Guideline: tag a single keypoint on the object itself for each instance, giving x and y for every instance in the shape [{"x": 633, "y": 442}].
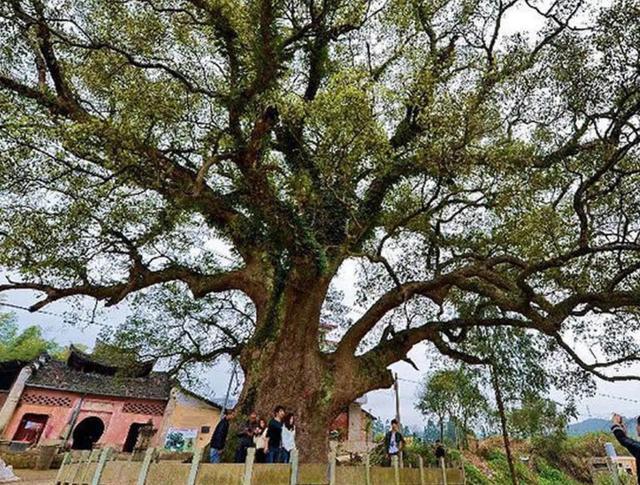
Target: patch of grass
[
  {"x": 548, "y": 475},
  {"x": 606, "y": 480},
  {"x": 475, "y": 476},
  {"x": 497, "y": 461},
  {"x": 540, "y": 473}
]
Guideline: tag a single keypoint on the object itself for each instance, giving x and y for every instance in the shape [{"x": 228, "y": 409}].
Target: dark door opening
[
  {"x": 31, "y": 427},
  {"x": 8, "y": 373},
  {"x": 86, "y": 433},
  {"x": 132, "y": 437}
]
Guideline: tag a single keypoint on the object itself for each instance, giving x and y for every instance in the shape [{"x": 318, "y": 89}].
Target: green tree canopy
[
  {"x": 26, "y": 344},
  {"x": 539, "y": 417},
  {"x": 454, "y": 394}
]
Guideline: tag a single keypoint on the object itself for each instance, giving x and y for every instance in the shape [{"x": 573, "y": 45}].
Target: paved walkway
[{"x": 35, "y": 477}]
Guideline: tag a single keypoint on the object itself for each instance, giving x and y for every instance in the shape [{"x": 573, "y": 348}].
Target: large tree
[{"x": 460, "y": 160}]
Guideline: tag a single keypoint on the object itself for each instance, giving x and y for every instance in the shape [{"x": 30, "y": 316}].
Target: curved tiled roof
[
  {"x": 57, "y": 375},
  {"x": 109, "y": 360}
]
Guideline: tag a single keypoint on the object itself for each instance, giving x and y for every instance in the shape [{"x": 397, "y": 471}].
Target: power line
[
  {"x": 618, "y": 398},
  {"x": 601, "y": 394},
  {"x": 93, "y": 322},
  {"x": 409, "y": 380},
  {"x": 66, "y": 319}
]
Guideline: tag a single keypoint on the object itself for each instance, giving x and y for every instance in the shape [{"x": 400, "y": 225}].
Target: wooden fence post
[
  {"x": 66, "y": 459},
  {"x": 196, "y": 459},
  {"x": 443, "y": 467},
  {"x": 104, "y": 456},
  {"x": 396, "y": 469},
  {"x": 294, "y": 458},
  {"x": 421, "y": 466},
  {"x": 146, "y": 463},
  {"x": 332, "y": 467},
  {"x": 367, "y": 469},
  {"x": 248, "y": 466},
  {"x": 94, "y": 455}
]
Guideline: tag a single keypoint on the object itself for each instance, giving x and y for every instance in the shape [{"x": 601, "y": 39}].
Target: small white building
[{"x": 355, "y": 426}]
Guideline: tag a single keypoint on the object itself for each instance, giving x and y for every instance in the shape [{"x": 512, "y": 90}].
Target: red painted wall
[
  {"x": 341, "y": 423},
  {"x": 59, "y": 406}
]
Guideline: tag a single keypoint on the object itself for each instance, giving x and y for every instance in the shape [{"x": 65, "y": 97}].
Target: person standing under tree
[
  {"x": 260, "y": 440},
  {"x": 393, "y": 441},
  {"x": 219, "y": 437},
  {"x": 440, "y": 452},
  {"x": 288, "y": 437},
  {"x": 620, "y": 432},
  {"x": 274, "y": 435},
  {"x": 246, "y": 435}
]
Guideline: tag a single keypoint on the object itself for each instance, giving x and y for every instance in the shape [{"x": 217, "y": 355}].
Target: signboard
[
  {"x": 97, "y": 406},
  {"x": 181, "y": 439}
]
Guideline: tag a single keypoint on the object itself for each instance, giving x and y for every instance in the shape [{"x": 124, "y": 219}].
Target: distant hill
[{"x": 593, "y": 425}]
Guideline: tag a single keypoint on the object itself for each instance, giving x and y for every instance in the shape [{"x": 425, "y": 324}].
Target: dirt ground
[{"x": 35, "y": 477}]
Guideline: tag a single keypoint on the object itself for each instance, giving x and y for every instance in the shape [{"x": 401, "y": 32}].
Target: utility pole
[
  {"x": 395, "y": 389},
  {"x": 233, "y": 375},
  {"x": 397, "y": 393}
]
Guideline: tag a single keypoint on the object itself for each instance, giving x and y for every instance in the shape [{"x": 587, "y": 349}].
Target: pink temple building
[{"x": 84, "y": 402}]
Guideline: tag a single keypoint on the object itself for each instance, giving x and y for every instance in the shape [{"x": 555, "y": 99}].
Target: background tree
[
  {"x": 254, "y": 147},
  {"x": 510, "y": 365},
  {"x": 453, "y": 394},
  {"x": 430, "y": 432},
  {"x": 433, "y": 399},
  {"x": 26, "y": 344},
  {"x": 515, "y": 367},
  {"x": 538, "y": 417}
]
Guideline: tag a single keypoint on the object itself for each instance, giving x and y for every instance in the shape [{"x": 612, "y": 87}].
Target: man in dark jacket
[
  {"x": 393, "y": 440},
  {"x": 620, "y": 432},
  {"x": 274, "y": 435},
  {"x": 246, "y": 435},
  {"x": 219, "y": 437},
  {"x": 440, "y": 452}
]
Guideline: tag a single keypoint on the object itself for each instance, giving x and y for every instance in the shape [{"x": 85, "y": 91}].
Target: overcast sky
[{"x": 381, "y": 403}]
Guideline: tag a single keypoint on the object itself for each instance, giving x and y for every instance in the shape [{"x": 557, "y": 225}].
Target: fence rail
[{"x": 104, "y": 468}]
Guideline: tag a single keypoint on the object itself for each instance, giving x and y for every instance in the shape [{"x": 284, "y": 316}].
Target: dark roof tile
[{"x": 57, "y": 375}]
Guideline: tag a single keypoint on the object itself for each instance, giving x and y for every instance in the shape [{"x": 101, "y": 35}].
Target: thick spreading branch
[
  {"x": 140, "y": 278},
  {"x": 594, "y": 368},
  {"x": 435, "y": 290}
]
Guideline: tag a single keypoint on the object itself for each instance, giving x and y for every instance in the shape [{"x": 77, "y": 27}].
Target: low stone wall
[
  {"x": 175, "y": 473},
  {"x": 32, "y": 457},
  {"x": 19, "y": 459},
  {"x": 162, "y": 455}
]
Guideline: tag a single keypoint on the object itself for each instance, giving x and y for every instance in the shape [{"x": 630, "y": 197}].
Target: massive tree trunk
[
  {"x": 300, "y": 380},
  {"x": 284, "y": 365}
]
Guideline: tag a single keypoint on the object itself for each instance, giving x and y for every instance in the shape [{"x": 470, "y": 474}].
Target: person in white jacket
[
  {"x": 288, "y": 437},
  {"x": 260, "y": 441}
]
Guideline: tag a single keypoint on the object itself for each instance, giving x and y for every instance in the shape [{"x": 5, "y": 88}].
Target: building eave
[{"x": 106, "y": 394}]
